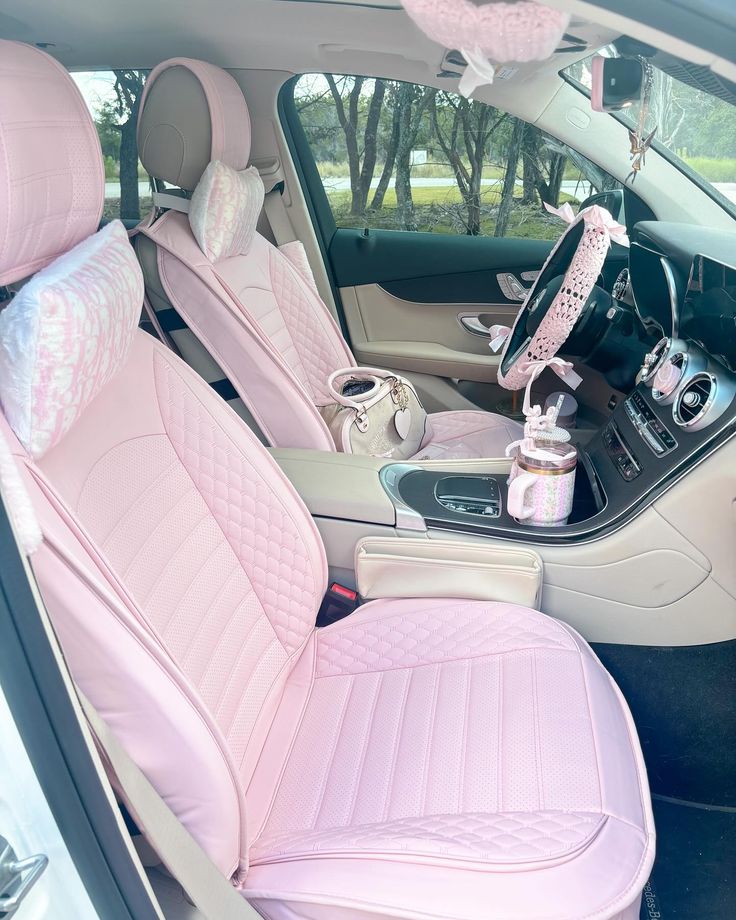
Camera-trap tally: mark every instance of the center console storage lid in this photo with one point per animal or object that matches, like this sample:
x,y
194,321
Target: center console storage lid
x,y
335,485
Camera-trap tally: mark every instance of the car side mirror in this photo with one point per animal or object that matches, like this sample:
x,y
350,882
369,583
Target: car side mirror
x,y
612,201
616,83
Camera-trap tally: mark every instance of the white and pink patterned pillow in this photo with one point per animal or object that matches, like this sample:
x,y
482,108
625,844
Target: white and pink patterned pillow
x,y
224,210
65,334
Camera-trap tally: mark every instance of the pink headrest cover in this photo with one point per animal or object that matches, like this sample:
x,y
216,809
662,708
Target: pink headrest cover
x,y
191,113
52,182
504,32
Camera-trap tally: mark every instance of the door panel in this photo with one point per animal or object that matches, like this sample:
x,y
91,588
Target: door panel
x,y
424,337
405,296
429,267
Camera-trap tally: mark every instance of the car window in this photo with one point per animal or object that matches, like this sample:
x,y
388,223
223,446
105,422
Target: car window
x,y
406,157
113,97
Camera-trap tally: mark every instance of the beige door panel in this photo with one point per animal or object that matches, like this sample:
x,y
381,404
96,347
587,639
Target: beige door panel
x,y
429,358
375,315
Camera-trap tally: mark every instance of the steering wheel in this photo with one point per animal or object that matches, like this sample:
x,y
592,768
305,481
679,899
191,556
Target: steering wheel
x,y
558,297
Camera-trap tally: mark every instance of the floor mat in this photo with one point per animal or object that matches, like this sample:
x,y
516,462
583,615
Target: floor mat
x,y
694,874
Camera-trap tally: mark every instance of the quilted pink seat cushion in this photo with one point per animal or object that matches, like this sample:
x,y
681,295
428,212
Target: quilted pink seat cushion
x,y
454,759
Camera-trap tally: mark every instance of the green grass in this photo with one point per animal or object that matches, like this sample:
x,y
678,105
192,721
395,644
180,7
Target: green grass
x,y
331,170
434,209
714,169
425,196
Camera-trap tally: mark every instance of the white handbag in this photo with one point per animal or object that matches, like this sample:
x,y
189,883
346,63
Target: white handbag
x,y
374,412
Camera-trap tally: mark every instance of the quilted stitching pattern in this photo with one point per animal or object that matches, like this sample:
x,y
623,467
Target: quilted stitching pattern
x,y
268,542
472,755
499,838
464,435
160,538
315,340
465,630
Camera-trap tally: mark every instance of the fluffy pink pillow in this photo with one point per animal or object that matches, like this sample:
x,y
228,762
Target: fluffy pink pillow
x,y
65,334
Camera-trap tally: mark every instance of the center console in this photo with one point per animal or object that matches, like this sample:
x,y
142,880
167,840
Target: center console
x,y
652,438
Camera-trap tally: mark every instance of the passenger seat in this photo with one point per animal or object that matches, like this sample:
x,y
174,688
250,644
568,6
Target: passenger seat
x,y
256,312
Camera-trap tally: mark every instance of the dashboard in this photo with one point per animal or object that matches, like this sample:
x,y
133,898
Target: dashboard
x,y
683,284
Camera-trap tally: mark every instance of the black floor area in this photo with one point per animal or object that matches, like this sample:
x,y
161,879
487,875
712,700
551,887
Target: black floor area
x,y
694,876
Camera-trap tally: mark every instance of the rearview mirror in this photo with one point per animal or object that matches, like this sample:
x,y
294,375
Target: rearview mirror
x,y
616,83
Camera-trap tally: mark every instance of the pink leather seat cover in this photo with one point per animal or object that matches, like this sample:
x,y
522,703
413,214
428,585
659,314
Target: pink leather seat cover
x,y
420,759
52,180
260,317
431,738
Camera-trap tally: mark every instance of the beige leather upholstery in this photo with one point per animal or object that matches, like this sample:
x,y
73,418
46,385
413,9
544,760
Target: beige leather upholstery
x,y
176,136
437,568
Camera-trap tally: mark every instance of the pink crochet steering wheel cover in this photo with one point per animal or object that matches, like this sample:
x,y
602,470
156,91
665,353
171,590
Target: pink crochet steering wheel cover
x,y
563,313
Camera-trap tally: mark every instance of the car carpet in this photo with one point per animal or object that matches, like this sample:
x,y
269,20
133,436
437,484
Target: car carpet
x,y
694,875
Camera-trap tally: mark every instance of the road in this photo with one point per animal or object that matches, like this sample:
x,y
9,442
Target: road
x,y
342,184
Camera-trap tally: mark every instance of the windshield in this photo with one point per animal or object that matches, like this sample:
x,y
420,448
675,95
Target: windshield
x,y
695,129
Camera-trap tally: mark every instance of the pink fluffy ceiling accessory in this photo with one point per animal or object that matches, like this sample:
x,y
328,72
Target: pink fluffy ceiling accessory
x,y
488,33
564,311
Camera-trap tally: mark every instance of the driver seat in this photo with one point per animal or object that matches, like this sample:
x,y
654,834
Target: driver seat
x,y
254,309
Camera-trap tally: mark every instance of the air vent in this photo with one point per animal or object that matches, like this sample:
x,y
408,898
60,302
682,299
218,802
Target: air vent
x,y
695,401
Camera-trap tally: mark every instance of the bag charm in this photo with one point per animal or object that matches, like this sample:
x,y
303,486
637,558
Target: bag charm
x,y
402,416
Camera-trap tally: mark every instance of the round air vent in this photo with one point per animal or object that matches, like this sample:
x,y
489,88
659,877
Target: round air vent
x,y
695,402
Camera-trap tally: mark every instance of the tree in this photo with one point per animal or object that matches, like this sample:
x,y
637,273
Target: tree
x,y
360,140
412,102
544,167
471,126
389,152
128,91
108,130
509,180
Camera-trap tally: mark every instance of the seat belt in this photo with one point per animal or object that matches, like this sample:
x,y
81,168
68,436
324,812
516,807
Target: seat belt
x,y
284,235
277,217
207,888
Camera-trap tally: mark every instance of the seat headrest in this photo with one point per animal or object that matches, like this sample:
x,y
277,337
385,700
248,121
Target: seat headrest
x,y
65,334
191,113
52,180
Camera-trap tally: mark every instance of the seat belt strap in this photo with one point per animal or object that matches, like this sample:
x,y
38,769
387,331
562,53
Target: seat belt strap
x,y
168,201
206,887
278,219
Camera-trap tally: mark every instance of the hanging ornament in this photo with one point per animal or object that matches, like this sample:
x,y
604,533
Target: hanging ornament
x,y
640,142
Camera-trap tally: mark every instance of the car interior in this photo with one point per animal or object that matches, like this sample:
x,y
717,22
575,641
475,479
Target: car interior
x,y
367,460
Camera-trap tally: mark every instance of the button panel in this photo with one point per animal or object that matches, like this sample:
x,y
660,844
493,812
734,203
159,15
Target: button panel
x,y
654,434
618,450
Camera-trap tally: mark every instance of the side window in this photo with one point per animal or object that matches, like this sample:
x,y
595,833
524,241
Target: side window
x,y
405,157
113,97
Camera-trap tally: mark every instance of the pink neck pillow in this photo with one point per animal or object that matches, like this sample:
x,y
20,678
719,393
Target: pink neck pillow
x,y
65,334
224,210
